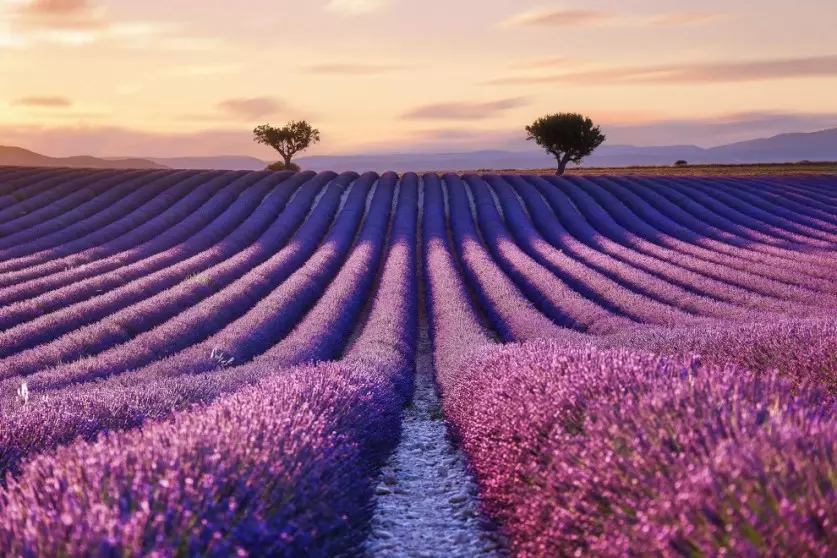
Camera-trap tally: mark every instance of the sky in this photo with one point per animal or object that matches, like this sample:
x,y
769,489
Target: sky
x,y
194,77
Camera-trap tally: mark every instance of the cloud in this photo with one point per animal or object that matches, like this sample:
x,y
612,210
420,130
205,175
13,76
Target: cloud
x,y
257,107
355,7
464,111
80,15
350,69
561,62
209,69
79,22
560,18
42,102
594,18
689,73
683,19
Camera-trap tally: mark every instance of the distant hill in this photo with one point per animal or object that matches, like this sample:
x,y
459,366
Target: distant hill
x,y
784,148
211,163
814,146
19,157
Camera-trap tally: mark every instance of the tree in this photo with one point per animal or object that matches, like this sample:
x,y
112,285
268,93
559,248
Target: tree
x,y
289,140
569,137
681,163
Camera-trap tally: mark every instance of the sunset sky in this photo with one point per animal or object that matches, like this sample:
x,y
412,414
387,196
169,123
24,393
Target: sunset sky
x,y
193,77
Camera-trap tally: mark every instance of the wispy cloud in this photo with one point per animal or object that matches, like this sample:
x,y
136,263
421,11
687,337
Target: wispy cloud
x,y
60,14
257,107
464,111
355,7
209,69
81,22
708,72
683,19
596,18
42,102
560,62
352,69
560,18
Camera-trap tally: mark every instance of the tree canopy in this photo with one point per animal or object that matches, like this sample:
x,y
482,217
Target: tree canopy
x,y
288,140
569,137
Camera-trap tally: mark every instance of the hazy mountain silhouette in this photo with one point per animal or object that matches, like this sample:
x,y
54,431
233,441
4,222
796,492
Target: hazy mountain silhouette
x,y
19,157
784,148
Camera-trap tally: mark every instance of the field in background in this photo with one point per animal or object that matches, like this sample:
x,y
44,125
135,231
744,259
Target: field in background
x,y
761,169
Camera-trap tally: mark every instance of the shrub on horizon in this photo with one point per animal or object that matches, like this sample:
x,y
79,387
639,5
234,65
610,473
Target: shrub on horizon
x,y
279,166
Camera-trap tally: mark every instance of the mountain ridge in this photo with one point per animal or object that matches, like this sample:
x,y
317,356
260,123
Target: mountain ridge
x,y
19,157
781,148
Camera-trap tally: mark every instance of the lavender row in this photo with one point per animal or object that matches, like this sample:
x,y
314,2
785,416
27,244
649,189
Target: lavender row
x,y
804,350
625,289
649,276
766,231
165,317
456,331
181,240
721,279
54,418
618,220
617,453
43,192
30,182
508,311
792,188
50,326
391,332
190,328
119,280
15,178
787,223
729,222
88,200
806,190
228,207
281,468
665,223
813,218
732,285
684,219
309,493
118,201
518,258
253,314
145,224
324,331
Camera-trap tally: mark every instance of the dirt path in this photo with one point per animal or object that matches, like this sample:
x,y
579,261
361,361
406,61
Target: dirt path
x,y
427,503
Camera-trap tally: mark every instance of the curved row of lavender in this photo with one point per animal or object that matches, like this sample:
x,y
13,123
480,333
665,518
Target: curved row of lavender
x,y
217,362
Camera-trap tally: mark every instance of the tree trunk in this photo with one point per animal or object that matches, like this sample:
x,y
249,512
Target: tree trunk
x,y
562,166
287,159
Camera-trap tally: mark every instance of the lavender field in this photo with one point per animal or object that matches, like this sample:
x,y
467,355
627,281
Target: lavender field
x,y
226,363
